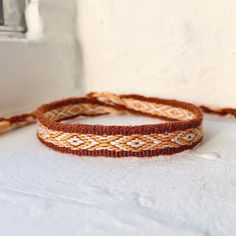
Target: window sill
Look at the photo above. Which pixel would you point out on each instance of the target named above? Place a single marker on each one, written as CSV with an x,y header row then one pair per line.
x,y
12,29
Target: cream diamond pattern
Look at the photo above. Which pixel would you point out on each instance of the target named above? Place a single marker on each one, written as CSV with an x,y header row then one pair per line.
x,y
189,137
136,143
75,141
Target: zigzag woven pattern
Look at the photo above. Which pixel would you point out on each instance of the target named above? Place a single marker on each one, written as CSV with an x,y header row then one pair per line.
x,y
181,131
134,142
75,110
146,107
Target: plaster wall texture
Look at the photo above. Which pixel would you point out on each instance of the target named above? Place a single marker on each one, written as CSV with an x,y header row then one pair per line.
x,y
179,49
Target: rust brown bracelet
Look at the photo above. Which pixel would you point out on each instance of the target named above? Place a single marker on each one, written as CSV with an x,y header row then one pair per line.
x,y
181,131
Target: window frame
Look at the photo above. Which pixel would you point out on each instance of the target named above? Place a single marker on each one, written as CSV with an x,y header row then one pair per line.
x,y
1,13
12,23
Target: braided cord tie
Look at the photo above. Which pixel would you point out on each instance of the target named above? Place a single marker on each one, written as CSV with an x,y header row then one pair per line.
x,y
181,131
13,122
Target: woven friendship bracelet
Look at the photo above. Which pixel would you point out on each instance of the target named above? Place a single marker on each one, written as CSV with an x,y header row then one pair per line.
x,y
181,131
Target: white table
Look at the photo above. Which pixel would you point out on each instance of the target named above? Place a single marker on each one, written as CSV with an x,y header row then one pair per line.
x,y
43,192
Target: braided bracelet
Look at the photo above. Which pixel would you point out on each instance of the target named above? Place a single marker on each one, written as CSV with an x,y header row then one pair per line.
x,y
181,131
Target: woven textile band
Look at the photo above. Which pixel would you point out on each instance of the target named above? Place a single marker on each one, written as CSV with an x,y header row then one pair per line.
x,y
181,131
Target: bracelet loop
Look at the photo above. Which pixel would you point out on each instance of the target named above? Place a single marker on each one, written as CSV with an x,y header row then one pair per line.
x,y
181,131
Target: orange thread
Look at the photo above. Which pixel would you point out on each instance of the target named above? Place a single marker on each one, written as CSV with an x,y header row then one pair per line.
x,y
182,130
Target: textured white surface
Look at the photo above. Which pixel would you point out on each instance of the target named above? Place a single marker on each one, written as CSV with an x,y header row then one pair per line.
x,y
43,192
171,48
